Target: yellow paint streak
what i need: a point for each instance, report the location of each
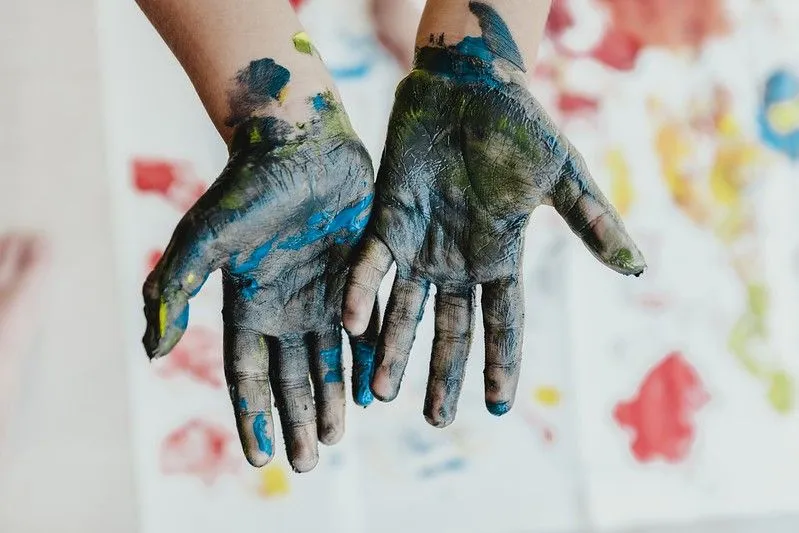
(232, 200)
(302, 43)
(255, 135)
(283, 94)
(191, 277)
(547, 395)
(621, 188)
(784, 117)
(163, 314)
(780, 392)
(274, 481)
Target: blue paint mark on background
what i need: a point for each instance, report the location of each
(353, 72)
(332, 360)
(451, 465)
(259, 428)
(782, 87)
(362, 370)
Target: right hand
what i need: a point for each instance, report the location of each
(281, 222)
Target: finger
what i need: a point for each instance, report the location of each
(403, 313)
(454, 325)
(247, 373)
(368, 270)
(288, 373)
(363, 359)
(503, 321)
(179, 275)
(592, 217)
(328, 384)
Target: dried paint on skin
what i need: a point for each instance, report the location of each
(363, 369)
(280, 222)
(302, 43)
(260, 430)
(660, 416)
(255, 87)
(469, 155)
(332, 360)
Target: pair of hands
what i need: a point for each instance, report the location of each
(304, 239)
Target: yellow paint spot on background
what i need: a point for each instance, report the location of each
(784, 116)
(547, 395)
(621, 188)
(274, 481)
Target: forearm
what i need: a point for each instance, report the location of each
(216, 43)
(455, 19)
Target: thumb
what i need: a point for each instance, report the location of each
(187, 262)
(591, 216)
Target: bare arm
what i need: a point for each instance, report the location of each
(215, 40)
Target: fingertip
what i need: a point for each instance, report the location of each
(438, 418)
(628, 261)
(498, 408)
(304, 460)
(258, 459)
(357, 311)
(330, 434)
(382, 386)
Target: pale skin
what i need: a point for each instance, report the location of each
(469, 154)
(280, 223)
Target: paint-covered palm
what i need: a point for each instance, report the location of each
(280, 222)
(469, 155)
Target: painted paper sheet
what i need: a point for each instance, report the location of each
(686, 378)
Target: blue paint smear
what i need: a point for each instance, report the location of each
(319, 102)
(451, 465)
(470, 61)
(351, 73)
(259, 428)
(182, 321)
(243, 404)
(475, 47)
(255, 259)
(362, 370)
(781, 86)
(498, 408)
(351, 219)
(249, 290)
(332, 360)
(497, 34)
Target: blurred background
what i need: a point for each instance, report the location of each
(664, 403)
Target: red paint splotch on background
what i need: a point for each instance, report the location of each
(175, 181)
(199, 448)
(152, 259)
(661, 413)
(197, 356)
(636, 24)
(572, 103)
(296, 3)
